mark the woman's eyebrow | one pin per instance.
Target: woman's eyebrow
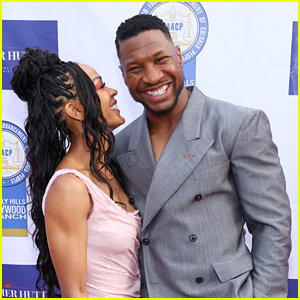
(98, 77)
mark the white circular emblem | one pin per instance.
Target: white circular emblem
(186, 21)
(15, 167)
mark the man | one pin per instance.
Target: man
(198, 169)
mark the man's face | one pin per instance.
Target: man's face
(152, 70)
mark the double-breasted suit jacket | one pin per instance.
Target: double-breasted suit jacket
(218, 170)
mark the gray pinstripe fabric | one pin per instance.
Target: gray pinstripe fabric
(225, 153)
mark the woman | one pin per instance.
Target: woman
(86, 231)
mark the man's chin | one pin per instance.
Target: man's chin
(162, 111)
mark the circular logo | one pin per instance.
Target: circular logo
(187, 23)
(15, 167)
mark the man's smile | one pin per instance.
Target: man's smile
(158, 92)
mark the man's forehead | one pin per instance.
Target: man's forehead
(146, 42)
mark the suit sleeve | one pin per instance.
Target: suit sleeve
(260, 184)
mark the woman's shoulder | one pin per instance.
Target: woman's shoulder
(67, 182)
(66, 191)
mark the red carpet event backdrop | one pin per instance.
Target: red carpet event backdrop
(241, 52)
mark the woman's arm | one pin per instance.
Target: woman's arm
(67, 208)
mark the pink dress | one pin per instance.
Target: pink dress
(112, 247)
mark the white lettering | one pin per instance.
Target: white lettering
(14, 209)
(8, 293)
(27, 167)
(11, 55)
(22, 217)
(145, 11)
(17, 179)
(16, 131)
(189, 82)
(24, 294)
(196, 7)
(202, 20)
(152, 4)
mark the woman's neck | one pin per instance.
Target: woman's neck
(79, 155)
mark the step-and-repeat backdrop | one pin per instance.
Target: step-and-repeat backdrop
(244, 53)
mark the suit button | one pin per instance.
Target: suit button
(198, 197)
(131, 200)
(199, 279)
(145, 242)
(193, 238)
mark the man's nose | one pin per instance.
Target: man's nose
(152, 75)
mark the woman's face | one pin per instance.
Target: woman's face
(109, 106)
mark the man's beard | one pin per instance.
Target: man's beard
(166, 111)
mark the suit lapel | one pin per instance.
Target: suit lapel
(172, 170)
(138, 163)
(182, 154)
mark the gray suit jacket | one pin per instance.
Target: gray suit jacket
(218, 170)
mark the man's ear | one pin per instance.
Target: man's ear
(179, 56)
(124, 78)
(74, 110)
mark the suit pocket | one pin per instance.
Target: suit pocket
(238, 264)
(204, 171)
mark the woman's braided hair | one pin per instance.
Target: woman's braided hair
(46, 83)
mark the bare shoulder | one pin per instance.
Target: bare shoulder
(68, 183)
(68, 193)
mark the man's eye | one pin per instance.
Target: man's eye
(162, 59)
(133, 69)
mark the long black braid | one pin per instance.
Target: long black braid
(46, 83)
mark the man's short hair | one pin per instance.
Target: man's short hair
(138, 24)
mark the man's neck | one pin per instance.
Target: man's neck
(161, 126)
(169, 120)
